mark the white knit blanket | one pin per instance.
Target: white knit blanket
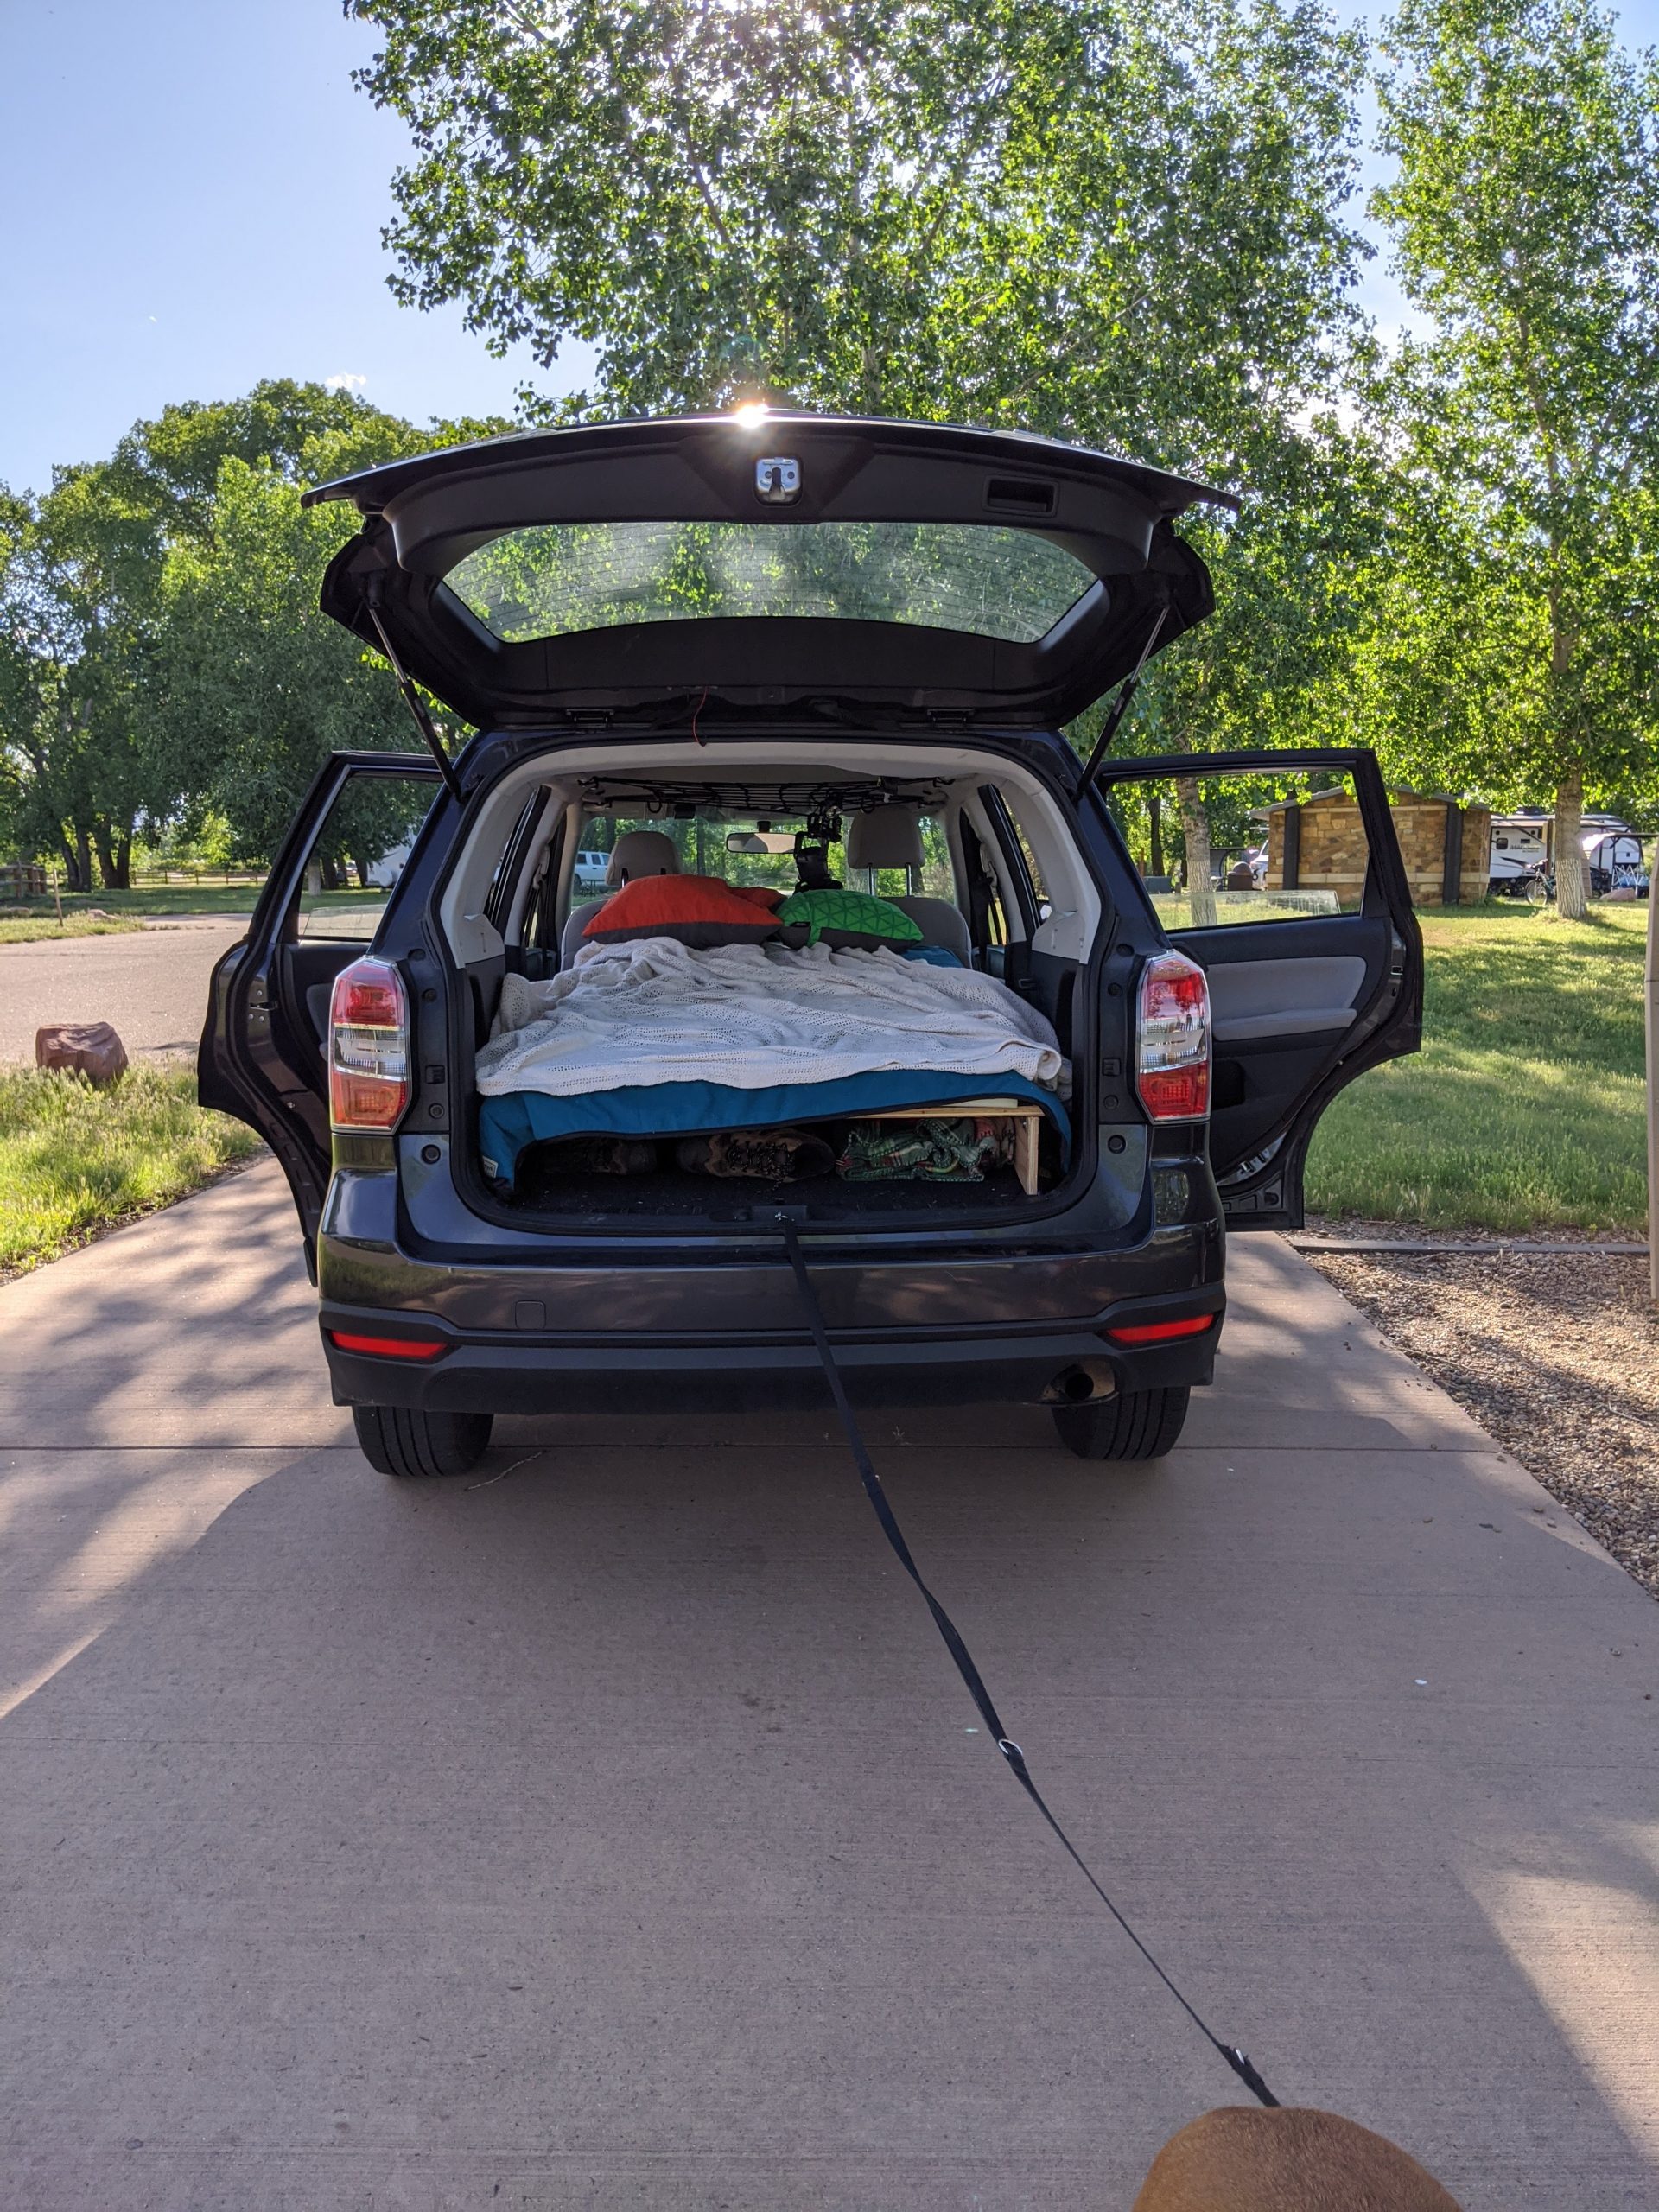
(753, 1016)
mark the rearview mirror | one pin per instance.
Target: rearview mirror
(760, 841)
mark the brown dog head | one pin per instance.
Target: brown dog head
(1294, 2159)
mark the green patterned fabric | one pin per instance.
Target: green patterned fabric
(846, 918)
(922, 1152)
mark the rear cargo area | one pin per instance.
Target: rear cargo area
(545, 1190)
(854, 991)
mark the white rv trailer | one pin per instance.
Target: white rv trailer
(1524, 843)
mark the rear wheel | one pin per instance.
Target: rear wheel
(396, 1441)
(1134, 1424)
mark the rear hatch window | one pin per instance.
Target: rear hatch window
(549, 582)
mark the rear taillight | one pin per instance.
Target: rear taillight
(387, 1347)
(1158, 1332)
(1172, 1051)
(368, 1047)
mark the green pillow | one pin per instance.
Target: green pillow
(845, 917)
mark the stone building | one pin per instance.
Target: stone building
(1318, 843)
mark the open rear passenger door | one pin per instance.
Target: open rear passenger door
(264, 1049)
(1305, 932)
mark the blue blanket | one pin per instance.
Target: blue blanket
(508, 1124)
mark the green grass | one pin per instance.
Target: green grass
(98, 913)
(1525, 1108)
(208, 897)
(74, 1160)
(1241, 908)
(30, 929)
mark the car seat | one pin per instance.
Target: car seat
(891, 836)
(637, 853)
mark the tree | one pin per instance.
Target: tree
(68, 664)
(1520, 634)
(97, 545)
(161, 655)
(30, 721)
(1062, 215)
(1049, 214)
(92, 735)
(66, 757)
(1270, 666)
(260, 684)
(258, 689)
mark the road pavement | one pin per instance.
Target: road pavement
(609, 1829)
(151, 983)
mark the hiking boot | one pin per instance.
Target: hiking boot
(763, 1155)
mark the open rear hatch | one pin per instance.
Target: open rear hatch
(775, 566)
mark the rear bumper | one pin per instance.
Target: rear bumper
(656, 1329)
(545, 1374)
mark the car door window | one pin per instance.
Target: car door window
(1222, 852)
(356, 856)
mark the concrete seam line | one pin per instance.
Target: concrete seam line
(1506, 1244)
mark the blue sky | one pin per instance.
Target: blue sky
(208, 193)
(203, 208)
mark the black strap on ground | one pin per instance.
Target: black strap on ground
(964, 1659)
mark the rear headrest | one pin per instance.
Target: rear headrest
(890, 838)
(641, 852)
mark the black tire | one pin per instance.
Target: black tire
(397, 1442)
(1135, 1425)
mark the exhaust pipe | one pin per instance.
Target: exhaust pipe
(1078, 1385)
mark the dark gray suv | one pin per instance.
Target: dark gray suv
(777, 654)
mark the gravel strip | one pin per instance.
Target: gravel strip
(1555, 1355)
(1469, 1244)
(1350, 1228)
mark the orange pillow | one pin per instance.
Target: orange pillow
(762, 893)
(696, 909)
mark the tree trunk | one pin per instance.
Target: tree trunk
(1155, 832)
(109, 866)
(70, 878)
(362, 868)
(82, 861)
(1195, 829)
(124, 861)
(1572, 876)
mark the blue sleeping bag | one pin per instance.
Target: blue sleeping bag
(518, 1118)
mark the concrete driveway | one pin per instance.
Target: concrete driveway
(610, 1830)
(151, 983)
